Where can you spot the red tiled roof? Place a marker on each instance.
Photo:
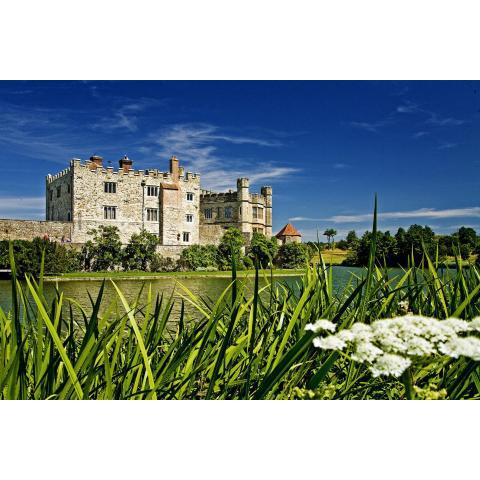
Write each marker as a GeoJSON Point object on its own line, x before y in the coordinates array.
{"type": "Point", "coordinates": [288, 230]}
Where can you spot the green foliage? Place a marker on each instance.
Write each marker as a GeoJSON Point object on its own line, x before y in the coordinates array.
{"type": "Point", "coordinates": [162, 264]}
{"type": "Point", "coordinates": [292, 255]}
{"type": "Point", "coordinates": [242, 346]}
{"type": "Point", "coordinates": [198, 257]}
{"type": "Point", "coordinates": [262, 249]}
{"type": "Point", "coordinates": [59, 258]}
{"type": "Point", "coordinates": [231, 243]}
{"type": "Point", "coordinates": [104, 252]}
{"type": "Point", "coordinates": [330, 234]}
{"type": "Point", "coordinates": [140, 251]}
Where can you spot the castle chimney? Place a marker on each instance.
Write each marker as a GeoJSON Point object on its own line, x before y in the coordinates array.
{"type": "Point", "coordinates": [174, 170]}
{"type": "Point", "coordinates": [125, 164]}
{"type": "Point", "coordinates": [97, 160]}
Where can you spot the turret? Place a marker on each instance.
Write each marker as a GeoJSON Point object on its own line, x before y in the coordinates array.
{"type": "Point", "coordinates": [266, 192]}
{"type": "Point", "coordinates": [243, 197]}
{"type": "Point", "coordinates": [96, 160]}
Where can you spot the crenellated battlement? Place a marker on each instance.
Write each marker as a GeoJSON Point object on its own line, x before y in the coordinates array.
{"type": "Point", "coordinates": [52, 178]}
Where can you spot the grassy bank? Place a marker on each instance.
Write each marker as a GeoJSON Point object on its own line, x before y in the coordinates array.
{"type": "Point", "coordinates": [244, 346]}
{"type": "Point", "coordinates": [121, 275]}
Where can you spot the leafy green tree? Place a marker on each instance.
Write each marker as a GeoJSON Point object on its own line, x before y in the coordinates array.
{"type": "Point", "coordinates": [467, 236]}
{"type": "Point", "coordinates": [263, 249]}
{"type": "Point", "coordinates": [199, 257]}
{"type": "Point", "coordinates": [292, 255]}
{"type": "Point", "coordinates": [232, 243]}
{"type": "Point", "coordinates": [419, 238]}
{"type": "Point", "coordinates": [351, 239]}
{"type": "Point", "coordinates": [104, 251]}
{"type": "Point", "coordinates": [58, 258]}
{"type": "Point", "coordinates": [140, 251]}
{"type": "Point", "coordinates": [330, 234]}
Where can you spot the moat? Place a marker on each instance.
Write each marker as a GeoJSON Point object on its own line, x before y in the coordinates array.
{"type": "Point", "coordinates": [207, 287]}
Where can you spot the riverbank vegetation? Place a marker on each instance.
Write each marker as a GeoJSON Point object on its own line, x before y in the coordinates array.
{"type": "Point", "coordinates": [104, 252]}
{"type": "Point", "coordinates": [274, 343]}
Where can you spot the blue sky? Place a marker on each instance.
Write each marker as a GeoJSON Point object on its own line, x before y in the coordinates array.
{"type": "Point", "coordinates": [325, 147]}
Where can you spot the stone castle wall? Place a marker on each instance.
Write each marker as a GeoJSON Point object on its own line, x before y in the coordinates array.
{"type": "Point", "coordinates": [30, 229]}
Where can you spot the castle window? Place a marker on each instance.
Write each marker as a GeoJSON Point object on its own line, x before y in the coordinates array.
{"type": "Point", "coordinates": [152, 191]}
{"type": "Point", "coordinates": [110, 187]}
{"type": "Point", "coordinates": [68, 188]}
{"type": "Point", "coordinates": [228, 212]}
{"type": "Point", "coordinates": [50, 195]}
{"type": "Point", "coordinates": [69, 216]}
{"type": "Point", "coordinates": [152, 214]}
{"type": "Point", "coordinates": [208, 212]}
{"type": "Point", "coordinates": [257, 212]}
{"type": "Point", "coordinates": [189, 218]}
{"type": "Point", "coordinates": [186, 237]}
{"type": "Point", "coordinates": [109, 213]}
{"type": "Point", "coordinates": [219, 212]}
{"type": "Point", "coordinates": [59, 191]}
{"type": "Point", "coordinates": [189, 197]}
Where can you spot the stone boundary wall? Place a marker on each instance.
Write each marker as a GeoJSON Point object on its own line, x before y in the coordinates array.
{"type": "Point", "coordinates": [30, 229]}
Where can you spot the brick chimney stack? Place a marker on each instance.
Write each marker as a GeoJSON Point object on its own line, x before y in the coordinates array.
{"type": "Point", "coordinates": [125, 163]}
{"type": "Point", "coordinates": [97, 160]}
{"type": "Point", "coordinates": [174, 169]}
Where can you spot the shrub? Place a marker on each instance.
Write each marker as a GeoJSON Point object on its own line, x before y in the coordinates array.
{"type": "Point", "coordinates": [262, 249]}
{"type": "Point", "coordinates": [232, 242]}
{"type": "Point", "coordinates": [162, 264]}
{"type": "Point", "coordinates": [292, 255]}
{"type": "Point", "coordinates": [140, 251]}
{"type": "Point", "coordinates": [199, 257]}
{"type": "Point", "coordinates": [104, 252]}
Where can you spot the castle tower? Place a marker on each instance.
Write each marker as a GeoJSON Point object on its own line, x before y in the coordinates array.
{"type": "Point", "coordinates": [243, 198]}
{"type": "Point", "coordinates": [266, 191]}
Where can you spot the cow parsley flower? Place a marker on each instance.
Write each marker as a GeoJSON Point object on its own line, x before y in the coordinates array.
{"type": "Point", "coordinates": [320, 325]}
{"type": "Point", "coordinates": [466, 347]}
{"type": "Point", "coordinates": [390, 364]}
{"type": "Point", "coordinates": [389, 346]}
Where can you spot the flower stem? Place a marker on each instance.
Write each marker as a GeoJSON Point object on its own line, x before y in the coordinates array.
{"type": "Point", "coordinates": [407, 380]}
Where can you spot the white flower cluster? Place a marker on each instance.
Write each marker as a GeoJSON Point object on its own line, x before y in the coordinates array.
{"type": "Point", "coordinates": [389, 346]}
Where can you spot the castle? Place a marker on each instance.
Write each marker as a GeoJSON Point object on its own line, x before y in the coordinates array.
{"type": "Point", "coordinates": [171, 205]}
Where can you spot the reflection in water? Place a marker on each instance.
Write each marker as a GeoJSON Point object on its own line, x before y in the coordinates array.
{"type": "Point", "coordinates": [206, 287]}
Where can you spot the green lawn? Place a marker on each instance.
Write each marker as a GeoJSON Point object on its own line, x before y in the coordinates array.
{"type": "Point", "coordinates": [139, 274]}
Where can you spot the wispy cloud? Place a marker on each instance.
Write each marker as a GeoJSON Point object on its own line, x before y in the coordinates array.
{"type": "Point", "coordinates": [23, 207]}
{"type": "Point", "coordinates": [340, 166]}
{"type": "Point", "coordinates": [446, 146]}
{"type": "Point", "coordinates": [420, 134]}
{"type": "Point", "coordinates": [373, 127]}
{"type": "Point", "coordinates": [439, 121]}
{"type": "Point", "coordinates": [471, 212]}
{"type": "Point", "coordinates": [198, 144]}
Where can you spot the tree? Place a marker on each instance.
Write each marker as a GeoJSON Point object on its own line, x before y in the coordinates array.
{"type": "Point", "coordinates": [292, 255]}
{"type": "Point", "coordinates": [104, 252]}
{"type": "Point", "coordinates": [231, 243]}
{"type": "Point", "coordinates": [140, 251]}
{"type": "Point", "coordinates": [351, 239]}
{"type": "Point", "coordinates": [467, 236]}
{"type": "Point", "coordinates": [330, 234]}
{"type": "Point", "coordinates": [262, 249]}
{"type": "Point", "coordinates": [199, 257]}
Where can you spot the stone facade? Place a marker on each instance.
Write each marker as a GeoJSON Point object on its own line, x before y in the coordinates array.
{"type": "Point", "coordinates": [164, 203]}
{"type": "Point", "coordinates": [249, 212]}
{"type": "Point", "coordinates": [170, 204]}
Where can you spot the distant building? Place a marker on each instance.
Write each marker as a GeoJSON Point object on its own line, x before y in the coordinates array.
{"type": "Point", "coordinates": [288, 234]}
{"type": "Point", "coordinates": [170, 204]}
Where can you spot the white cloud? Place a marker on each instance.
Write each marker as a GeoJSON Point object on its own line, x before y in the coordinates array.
{"type": "Point", "coordinates": [197, 144]}
{"type": "Point", "coordinates": [471, 212]}
{"type": "Point", "coordinates": [446, 146]}
{"type": "Point", "coordinates": [26, 207]}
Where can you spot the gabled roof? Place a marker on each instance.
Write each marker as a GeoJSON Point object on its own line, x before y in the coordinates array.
{"type": "Point", "coordinates": [288, 230]}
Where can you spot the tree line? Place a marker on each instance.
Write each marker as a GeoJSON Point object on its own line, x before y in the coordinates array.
{"type": "Point", "coordinates": [410, 244]}
{"type": "Point", "coordinates": [105, 252]}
